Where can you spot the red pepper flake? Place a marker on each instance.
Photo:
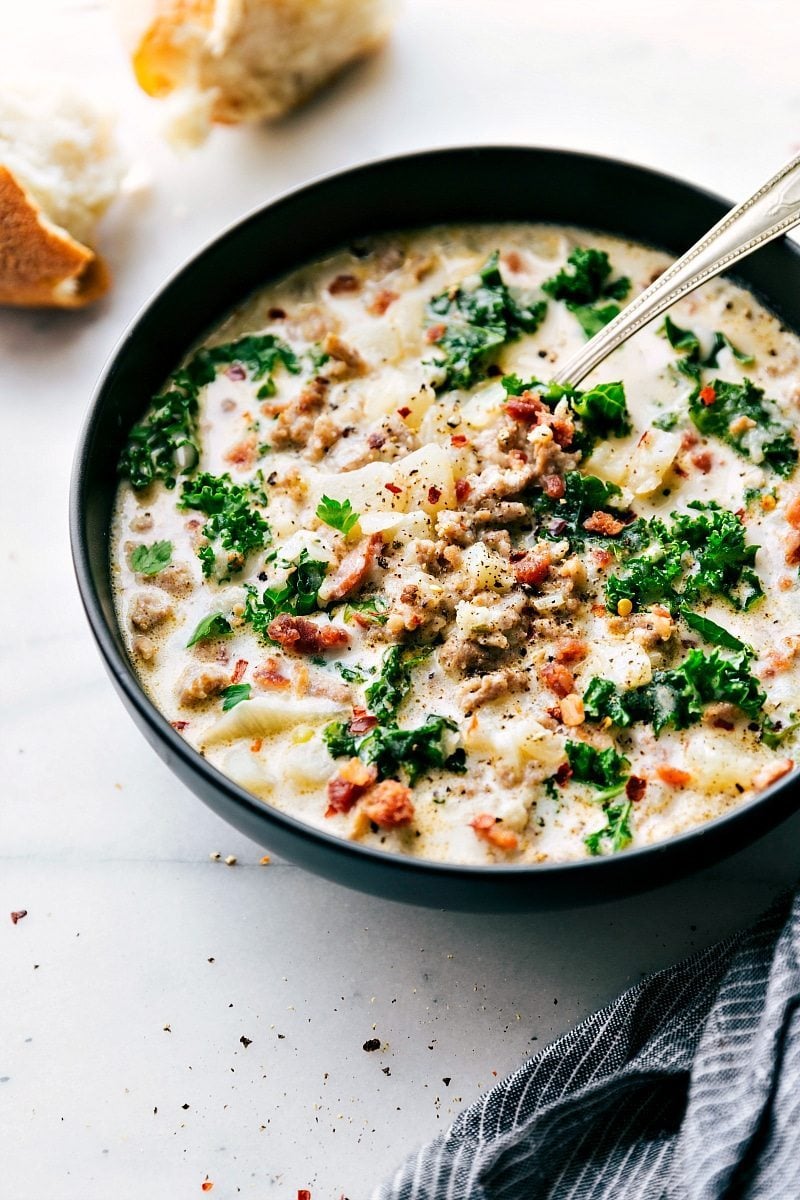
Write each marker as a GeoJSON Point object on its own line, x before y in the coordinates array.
{"type": "Point", "coordinates": [404, 412]}
{"type": "Point", "coordinates": [393, 488]}
{"type": "Point", "coordinates": [179, 725]}
{"type": "Point", "coordinates": [239, 670]}
{"type": "Point", "coordinates": [458, 439]}
{"type": "Point", "coordinates": [434, 495]}
{"type": "Point", "coordinates": [463, 489]}
{"type": "Point", "coordinates": [635, 788]}
{"type": "Point", "coordinates": [18, 915]}
{"type": "Point", "coordinates": [206, 1185]}
{"type": "Point", "coordinates": [708, 396]}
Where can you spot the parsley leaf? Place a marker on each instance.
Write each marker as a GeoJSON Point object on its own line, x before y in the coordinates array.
{"type": "Point", "coordinates": [392, 750]}
{"type": "Point", "coordinates": [478, 321]}
{"type": "Point", "coordinates": [213, 626]}
{"type": "Point", "coordinates": [388, 692]}
{"type": "Point", "coordinates": [762, 437]}
{"type": "Point", "coordinates": [149, 560]}
{"type": "Point", "coordinates": [234, 521]}
{"type": "Point", "coordinates": [339, 515]}
{"type": "Point", "coordinates": [584, 286]}
{"type": "Point", "coordinates": [235, 694]}
{"type": "Point", "coordinates": [171, 424]}
{"type": "Point", "coordinates": [297, 595]}
{"type": "Point", "coordinates": [616, 831]}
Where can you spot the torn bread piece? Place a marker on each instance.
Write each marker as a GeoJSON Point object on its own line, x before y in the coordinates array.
{"type": "Point", "coordinates": [229, 61]}
{"type": "Point", "coordinates": [59, 171]}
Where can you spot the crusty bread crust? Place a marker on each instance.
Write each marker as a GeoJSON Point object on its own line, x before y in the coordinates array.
{"type": "Point", "coordinates": [41, 265]}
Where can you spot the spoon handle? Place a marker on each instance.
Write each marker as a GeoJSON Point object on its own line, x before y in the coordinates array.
{"type": "Point", "coordinates": [772, 210]}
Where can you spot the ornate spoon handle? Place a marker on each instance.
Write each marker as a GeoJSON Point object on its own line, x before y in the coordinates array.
{"type": "Point", "coordinates": [772, 210]}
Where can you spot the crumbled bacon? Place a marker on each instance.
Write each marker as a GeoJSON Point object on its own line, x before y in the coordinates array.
{"type": "Point", "coordinates": [179, 726]}
{"type": "Point", "coordinates": [603, 558]}
{"type": "Point", "coordinates": [343, 284]}
{"type": "Point", "coordinates": [434, 495]}
{"type": "Point", "coordinates": [486, 828]}
{"type": "Point", "coordinates": [673, 776]}
{"type": "Point", "coordinates": [239, 669]}
{"type": "Point", "coordinates": [458, 440]}
{"type": "Point", "coordinates": [525, 408]}
{"type": "Point", "coordinates": [563, 774]}
{"type": "Point", "coordinates": [557, 678]}
{"type": "Point", "coordinates": [604, 523]}
{"type": "Point", "coordinates": [635, 788]}
{"type": "Point", "coordinates": [463, 489]}
{"type": "Point", "coordinates": [703, 461]}
{"type": "Point", "coordinates": [379, 305]}
{"type": "Point", "coordinates": [244, 453]}
{"type": "Point", "coordinates": [298, 635]}
{"type": "Point", "coordinates": [348, 785]}
{"type": "Point", "coordinates": [269, 675]}
{"type": "Point", "coordinates": [563, 432]}
{"type": "Point", "coordinates": [352, 570]}
{"type": "Point", "coordinates": [793, 548]}
{"type": "Point", "coordinates": [362, 721]}
{"type": "Point", "coordinates": [513, 261]}
{"type": "Point", "coordinates": [553, 486]}
{"type": "Point", "coordinates": [793, 512]}
{"type": "Point", "coordinates": [389, 804]}
{"type": "Point", "coordinates": [570, 650]}
{"type": "Point", "coordinates": [533, 568]}
{"type": "Point", "coordinates": [771, 772]}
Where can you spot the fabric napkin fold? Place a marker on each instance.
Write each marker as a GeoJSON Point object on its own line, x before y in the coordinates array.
{"type": "Point", "coordinates": [687, 1087]}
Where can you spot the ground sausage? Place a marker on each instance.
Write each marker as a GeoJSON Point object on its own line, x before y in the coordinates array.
{"type": "Point", "coordinates": [301, 636]}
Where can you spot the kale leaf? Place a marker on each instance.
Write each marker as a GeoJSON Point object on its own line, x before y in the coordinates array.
{"type": "Point", "coordinates": [297, 595]}
{"type": "Point", "coordinates": [616, 832]}
{"type": "Point", "coordinates": [392, 750]}
{"type": "Point", "coordinates": [235, 694]}
{"type": "Point", "coordinates": [233, 520]}
{"type": "Point", "coordinates": [583, 496]}
{"type": "Point", "coordinates": [687, 343]}
{"type": "Point", "coordinates": [714, 633]}
{"type": "Point", "coordinates": [600, 412]}
{"type": "Point", "coordinates": [477, 321]}
{"type": "Point", "coordinates": [213, 626]}
{"type": "Point", "coordinates": [584, 286]}
{"type": "Point", "coordinates": [762, 436]}
{"type": "Point", "coordinates": [388, 692]}
{"type": "Point", "coordinates": [605, 769]}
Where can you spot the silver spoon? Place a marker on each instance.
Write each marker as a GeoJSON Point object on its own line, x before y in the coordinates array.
{"type": "Point", "coordinates": [771, 211]}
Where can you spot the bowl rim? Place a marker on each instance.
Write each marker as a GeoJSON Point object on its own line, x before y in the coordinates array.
{"type": "Point", "coordinates": [123, 672]}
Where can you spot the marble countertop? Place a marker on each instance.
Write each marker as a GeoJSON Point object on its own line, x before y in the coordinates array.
{"type": "Point", "coordinates": [165, 1018]}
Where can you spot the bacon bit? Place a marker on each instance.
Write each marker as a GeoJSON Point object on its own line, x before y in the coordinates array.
{"type": "Point", "coordinates": [485, 826]}
{"type": "Point", "coordinates": [381, 302]}
{"type": "Point", "coordinates": [236, 372]}
{"type": "Point", "coordinates": [703, 461]}
{"type": "Point", "coordinates": [435, 333]}
{"type": "Point", "coordinates": [517, 458]}
{"type": "Point", "coordinates": [404, 412]}
{"type": "Point", "coordinates": [570, 650]}
{"type": "Point", "coordinates": [301, 636]}
{"type": "Point", "coordinates": [673, 776]}
{"type": "Point", "coordinates": [352, 570]}
{"type": "Point", "coordinates": [303, 1194]}
{"type": "Point", "coordinates": [243, 454]}
{"type": "Point", "coordinates": [525, 408]}
{"type": "Point", "coordinates": [557, 678]}
{"type": "Point", "coordinates": [434, 495]}
{"type": "Point", "coordinates": [635, 788]}
{"type": "Point", "coordinates": [553, 486]}
{"type": "Point", "coordinates": [604, 523]}
{"type": "Point", "coordinates": [563, 774]}
{"type": "Point", "coordinates": [362, 721]}
{"type": "Point", "coordinates": [239, 670]}
{"type": "Point", "coordinates": [269, 675]}
{"type": "Point", "coordinates": [458, 440]}
{"type": "Point", "coordinates": [344, 283]}
{"type": "Point", "coordinates": [603, 558]}
{"type": "Point", "coordinates": [348, 785]}
{"type": "Point", "coordinates": [206, 1186]}
{"type": "Point", "coordinates": [793, 548]}
{"type": "Point", "coordinates": [533, 569]}
{"type": "Point", "coordinates": [513, 261]}
{"type": "Point", "coordinates": [792, 510]}
{"type": "Point", "coordinates": [463, 489]}
{"type": "Point", "coordinates": [179, 726]}
{"type": "Point", "coordinates": [771, 773]}
{"type": "Point", "coordinates": [255, 745]}
{"type": "Point", "coordinates": [708, 396]}
{"type": "Point", "coordinates": [785, 583]}
{"type": "Point", "coordinates": [393, 488]}
{"type": "Point", "coordinates": [18, 915]}
{"type": "Point", "coordinates": [389, 804]}
{"type": "Point", "coordinates": [572, 712]}
{"type": "Point", "coordinates": [276, 314]}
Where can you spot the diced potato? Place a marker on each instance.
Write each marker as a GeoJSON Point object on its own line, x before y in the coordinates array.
{"type": "Point", "coordinates": [626, 663]}
{"type": "Point", "coordinates": [487, 569]}
{"type": "Point", "coordinates": [307, 764]}
{"type": "Point", "coordinates": [517, 741]}
{"type": "Point", "coordinates": [484, 406]}
{"type": "Point", "coordinates": [263, 715]}
{"type": "Point", "coordinates": [716, 764]}
{"type": "Point", "coordinates": [365, 488]}
{"type": "Point", "coordinates": [652, 458]}
{"type": "Point", "coordinates": [425, 473]}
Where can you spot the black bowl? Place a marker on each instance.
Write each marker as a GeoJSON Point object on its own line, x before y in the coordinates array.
{"type": "Point", "coordinates": [461, 185]}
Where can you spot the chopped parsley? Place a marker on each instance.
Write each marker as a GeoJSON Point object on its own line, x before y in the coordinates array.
{"type": "Point", "coordinates": [297, 595]}
{"type": "Point", "coordinates": [339, 515]}
{"type": "Point", "coordinates": [584, 286]}
{"type": "Point", "coordinates": [601, 412]}
{"type": "Point", "coordinates": [692, 361]}
{"type": "Point", "coordinates": [213, 626]}
{"type": "Point", "coordinates": [478, 321]}
{"type": "Point", "coordinates": [234, 520]}
{"type": "Point", "coordinates": [761, 436]}
{"type": "Point", "coordinates": [388, 692]}
{"type": "Point", "coordinates": [235, 694]}
{"type": "Point", "coordinates": [149, 560]}
{"type": "Point", "coordinates": [616, 833]}
{"type": "Point", "coordinates": [171, 424]}
{"type": "Point", "coordinates": [392, 750]}
{"type": "Point", "coordinates": [678, 697]}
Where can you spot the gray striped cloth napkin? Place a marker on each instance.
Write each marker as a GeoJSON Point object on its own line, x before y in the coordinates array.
{"type": "Point", "coordinates": [685, 1088]}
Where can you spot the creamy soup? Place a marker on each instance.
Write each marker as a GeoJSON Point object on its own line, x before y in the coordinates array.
{"type": "Point", "coordinates": [379, 572]}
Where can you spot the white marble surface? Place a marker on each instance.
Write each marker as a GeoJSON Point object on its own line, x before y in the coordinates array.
{"type": "Point", "coordinates": [126, 991]}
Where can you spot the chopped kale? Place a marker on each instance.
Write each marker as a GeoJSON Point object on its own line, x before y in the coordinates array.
{"type": "Point", "coordinates": [171, 424]}
{"type": "Point", "coordinates": [235, 694]}
{"type": "Point", "coordinates": [692, 361]}
{"type": "Point", "coordinates": [604, 769]}
{"type": "Point", "coordinates": [616, 833]}
{"type": "Point", "coordinates": [234, 520]}
{"type": "Point", "coordinates": [371, 609]}
{"type": "Point", "coordinates": [585, 288]}
{"type": "Point", "coordinates": [762, 436]}
{"type": "Point", "coordinates": [477, 321]}
{"type": "Point", "coordinates": [713, 633]}
{"type": "Point", "coordinates": [388, 692]}
{"type": "Point", "coordinates": [339, 515]}
{"type": "Point", "coordinates": [600, 412]}
{"type": "Point", "coordinates": [678, 697]}
{"type": "Point", "coordinates": [297, 595]}
{"type": "Point", "coordinates": [213, 626]}
{"type": "Point", "coordinates": [149, 560]}
{"type": "Point", "coordinates": [392, 750]}
{"type": "Point", "coordinates": [583, 495]}
{"type": "Point", "coordinates": [350, 674]}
